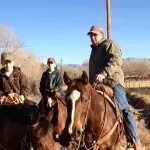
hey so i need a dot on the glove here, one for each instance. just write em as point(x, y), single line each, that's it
point(22, 97)
point(100, 78)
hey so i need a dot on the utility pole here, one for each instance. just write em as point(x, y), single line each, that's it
point(108, 12)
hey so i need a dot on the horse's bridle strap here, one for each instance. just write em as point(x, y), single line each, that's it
point(107, 97)
point(105, 137)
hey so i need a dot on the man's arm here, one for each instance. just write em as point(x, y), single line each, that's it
point(24, 89)
point(59, 82)
point(114, 59)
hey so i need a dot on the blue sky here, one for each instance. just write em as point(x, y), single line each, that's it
point(58, 28)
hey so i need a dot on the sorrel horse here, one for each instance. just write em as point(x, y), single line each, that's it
point(91, 120)
point(15, 123)
point(51, 123)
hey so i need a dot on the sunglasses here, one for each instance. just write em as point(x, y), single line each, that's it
point(49, 62)
point(93, 34)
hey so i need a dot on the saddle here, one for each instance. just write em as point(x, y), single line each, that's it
point(104, 88)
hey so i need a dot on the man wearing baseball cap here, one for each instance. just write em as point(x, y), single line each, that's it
point(105, 65)
point(51, 79)
point(12, 80)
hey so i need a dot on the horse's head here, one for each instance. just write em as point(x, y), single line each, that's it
point(42, 135)
point(48, 102)
point(52, 121)
point(78, 101)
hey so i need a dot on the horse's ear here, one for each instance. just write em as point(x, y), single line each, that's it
point(84, 77)
point(66, 78)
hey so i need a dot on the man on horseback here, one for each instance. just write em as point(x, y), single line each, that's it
point(12, 80)
point(105, 65)
point(51, 79)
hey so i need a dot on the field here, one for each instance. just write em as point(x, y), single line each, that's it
point(139, 93)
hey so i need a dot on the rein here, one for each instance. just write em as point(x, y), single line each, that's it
point(61, 100)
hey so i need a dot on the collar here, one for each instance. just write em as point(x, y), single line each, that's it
point(95, 46)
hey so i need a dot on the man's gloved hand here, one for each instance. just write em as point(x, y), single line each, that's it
point(100, 78)
point(22, 97)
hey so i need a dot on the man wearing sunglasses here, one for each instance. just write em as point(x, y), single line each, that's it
point(105, 65)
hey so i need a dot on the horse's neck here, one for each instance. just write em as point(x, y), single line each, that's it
point(100, 116)
point(97, 106)
point(96, 112)
point(62, 113)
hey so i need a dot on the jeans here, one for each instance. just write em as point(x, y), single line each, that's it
point(122, 101)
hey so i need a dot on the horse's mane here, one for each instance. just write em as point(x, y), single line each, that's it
point(23, 113)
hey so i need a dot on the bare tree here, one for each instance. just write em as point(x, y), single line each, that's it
point(9, 40)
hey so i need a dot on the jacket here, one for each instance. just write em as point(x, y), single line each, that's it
point(50, 81)
point(106, 59)
point(17, 82)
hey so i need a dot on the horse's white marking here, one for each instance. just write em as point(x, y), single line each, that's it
point(50, 102)
point(73, 97)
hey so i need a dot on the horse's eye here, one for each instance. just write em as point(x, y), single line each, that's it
point(85, 100)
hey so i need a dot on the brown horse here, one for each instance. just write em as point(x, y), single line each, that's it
point(15, 123)
point(91, 121)
point(51, 123)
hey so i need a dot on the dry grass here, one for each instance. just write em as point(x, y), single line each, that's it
point(140, 101)
point(137, 84)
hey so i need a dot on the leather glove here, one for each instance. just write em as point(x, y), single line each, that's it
point(22, 97)
point(100, 78)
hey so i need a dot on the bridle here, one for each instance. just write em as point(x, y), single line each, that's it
point(81, 142)
point(100, 140)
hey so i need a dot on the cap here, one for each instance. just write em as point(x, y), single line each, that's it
point(7, 56)
point(51, 60)
point(95, 29)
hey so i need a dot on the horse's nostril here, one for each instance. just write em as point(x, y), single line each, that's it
point(78, 133)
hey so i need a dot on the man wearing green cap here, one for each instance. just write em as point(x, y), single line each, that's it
point(12, 80)
point(105, 65)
